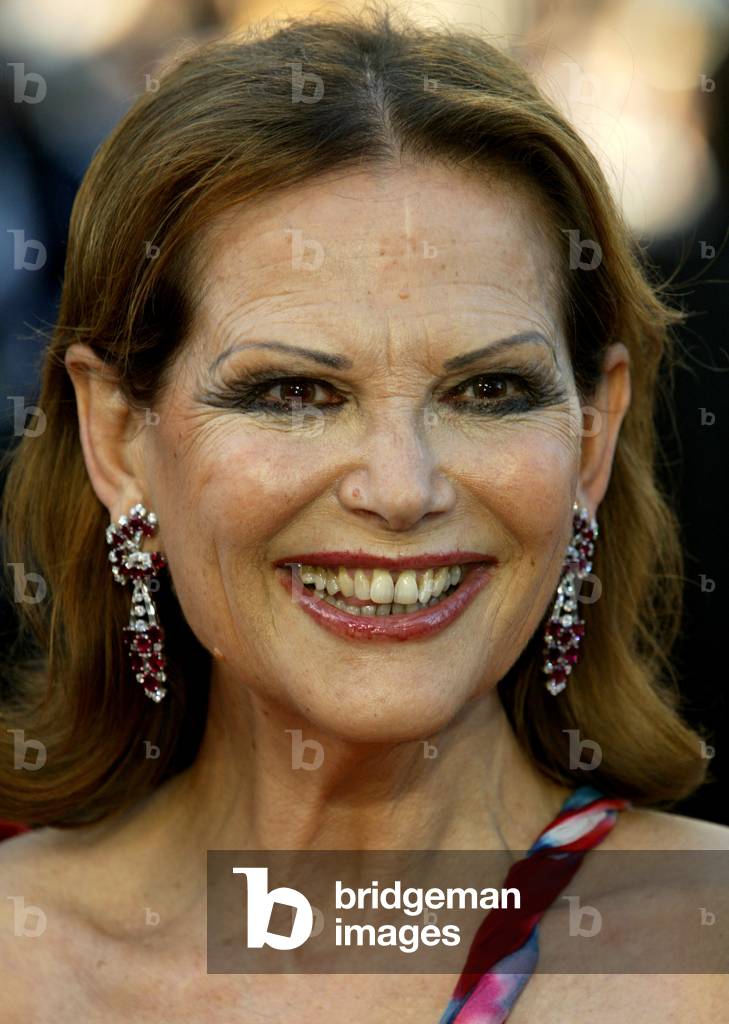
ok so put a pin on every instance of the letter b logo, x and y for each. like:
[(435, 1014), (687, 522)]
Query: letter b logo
[(260, 906)]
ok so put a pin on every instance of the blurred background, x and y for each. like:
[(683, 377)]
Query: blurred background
[(646, 82)]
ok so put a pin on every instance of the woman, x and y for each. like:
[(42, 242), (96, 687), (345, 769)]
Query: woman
[(352, 335)]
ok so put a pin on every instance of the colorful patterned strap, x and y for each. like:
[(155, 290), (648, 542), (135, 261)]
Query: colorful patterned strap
[(505, 949)]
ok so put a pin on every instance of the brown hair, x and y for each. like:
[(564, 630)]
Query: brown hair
[(228, 124)]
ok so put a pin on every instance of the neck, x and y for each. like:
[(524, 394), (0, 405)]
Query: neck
[(265, 778), (467, 787)]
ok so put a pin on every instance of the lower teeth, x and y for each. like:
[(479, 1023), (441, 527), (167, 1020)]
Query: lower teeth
[(377, 609)]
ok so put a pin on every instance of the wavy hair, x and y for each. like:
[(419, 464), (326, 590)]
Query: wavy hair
[(230, 122)]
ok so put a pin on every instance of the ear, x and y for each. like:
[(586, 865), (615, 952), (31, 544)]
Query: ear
[(601, 421), (108, 429)]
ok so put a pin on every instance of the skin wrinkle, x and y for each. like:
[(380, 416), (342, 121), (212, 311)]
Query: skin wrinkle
[(235, 490)]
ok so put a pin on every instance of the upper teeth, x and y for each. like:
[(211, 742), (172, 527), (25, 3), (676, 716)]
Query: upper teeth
[(380, 585)]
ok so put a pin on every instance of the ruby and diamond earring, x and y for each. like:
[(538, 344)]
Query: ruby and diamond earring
[(565, 629), (144, 636)]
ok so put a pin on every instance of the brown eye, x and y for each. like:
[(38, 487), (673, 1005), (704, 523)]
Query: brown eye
[(484, 388), (295, 392), (487, 388), (303, 391)]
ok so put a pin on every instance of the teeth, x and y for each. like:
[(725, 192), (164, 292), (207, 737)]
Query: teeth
[(361, 585), (346, 583), (408, 590), (441, 580), (372, 609), (426, 587), (382, 589)]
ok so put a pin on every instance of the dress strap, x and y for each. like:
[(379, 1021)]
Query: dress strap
[(505, 949)]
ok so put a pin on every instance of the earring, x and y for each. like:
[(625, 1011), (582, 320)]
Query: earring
[(143, 637), (565, 629)]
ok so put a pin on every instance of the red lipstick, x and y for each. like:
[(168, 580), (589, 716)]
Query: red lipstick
[(361, 560), (405, 626)]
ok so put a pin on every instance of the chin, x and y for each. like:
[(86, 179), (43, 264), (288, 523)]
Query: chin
[(392, 712)]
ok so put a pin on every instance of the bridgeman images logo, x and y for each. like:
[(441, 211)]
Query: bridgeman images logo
[(261, 902), (412, 901)]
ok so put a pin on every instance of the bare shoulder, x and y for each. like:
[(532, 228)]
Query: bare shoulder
[(652, 899), (616, 998), (35, 862), (644, 829), (24, 916)]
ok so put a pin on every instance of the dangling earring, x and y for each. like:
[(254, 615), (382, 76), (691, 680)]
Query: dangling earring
[(565, 629), (143, 637)]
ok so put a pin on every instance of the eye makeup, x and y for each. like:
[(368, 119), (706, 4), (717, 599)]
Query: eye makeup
[(252, 391)]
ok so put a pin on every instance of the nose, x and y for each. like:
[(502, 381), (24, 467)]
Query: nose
[(398, 482)]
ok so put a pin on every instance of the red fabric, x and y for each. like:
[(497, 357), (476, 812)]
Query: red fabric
[(11, 828)]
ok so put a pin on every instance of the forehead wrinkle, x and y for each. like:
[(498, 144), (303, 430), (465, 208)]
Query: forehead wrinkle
[(521, 269)]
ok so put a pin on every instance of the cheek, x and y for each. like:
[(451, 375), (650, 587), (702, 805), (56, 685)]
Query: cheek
[(525, 476), (222, 495), (228, 482)]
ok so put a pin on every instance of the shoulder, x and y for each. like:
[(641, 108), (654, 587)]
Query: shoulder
[(31, 875), (43, 933), (41, 873), (27, 856), (651, 898), (616, 997), (644, 829), (24, 915)]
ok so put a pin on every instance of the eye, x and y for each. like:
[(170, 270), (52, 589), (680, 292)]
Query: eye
[(491, 387), (295, 390), (285, 394)]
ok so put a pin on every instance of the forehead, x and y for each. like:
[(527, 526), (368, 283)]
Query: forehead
[(425, 243)]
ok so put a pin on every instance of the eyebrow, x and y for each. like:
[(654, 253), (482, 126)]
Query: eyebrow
[(513, 341), (340, 362), (324, 358)]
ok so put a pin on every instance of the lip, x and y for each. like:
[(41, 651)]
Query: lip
[(361, 560), (405, 626)]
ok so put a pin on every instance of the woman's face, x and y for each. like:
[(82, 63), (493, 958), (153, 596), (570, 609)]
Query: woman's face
[(382, 445)]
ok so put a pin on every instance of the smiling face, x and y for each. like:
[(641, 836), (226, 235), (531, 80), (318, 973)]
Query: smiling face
[(396, 447)]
